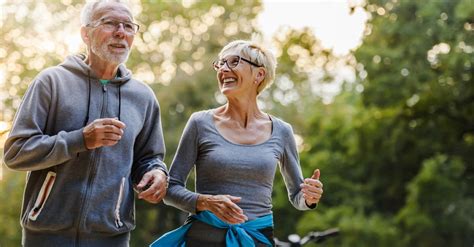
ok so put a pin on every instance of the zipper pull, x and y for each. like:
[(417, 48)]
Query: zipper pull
[(104, 88)]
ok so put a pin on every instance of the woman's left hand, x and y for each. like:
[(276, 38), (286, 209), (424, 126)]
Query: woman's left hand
[(312, 189)]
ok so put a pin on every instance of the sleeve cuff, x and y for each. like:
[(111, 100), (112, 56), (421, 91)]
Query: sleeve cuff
[(312, 206), (75, 140)]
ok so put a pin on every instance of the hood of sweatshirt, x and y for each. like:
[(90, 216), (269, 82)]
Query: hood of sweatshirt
[(76, 63)]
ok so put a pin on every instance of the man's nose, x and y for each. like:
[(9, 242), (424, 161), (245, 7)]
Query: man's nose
[(120, 30)]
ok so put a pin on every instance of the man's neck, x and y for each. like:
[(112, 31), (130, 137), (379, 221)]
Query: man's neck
[(103, 70)]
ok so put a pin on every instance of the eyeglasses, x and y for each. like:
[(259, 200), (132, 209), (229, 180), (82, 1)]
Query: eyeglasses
[(111, 25), (232, 62)]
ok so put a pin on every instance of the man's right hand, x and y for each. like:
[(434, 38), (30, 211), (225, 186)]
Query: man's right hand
[(103, 132)]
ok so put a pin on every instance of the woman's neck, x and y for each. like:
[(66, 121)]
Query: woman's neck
[(241, 111)]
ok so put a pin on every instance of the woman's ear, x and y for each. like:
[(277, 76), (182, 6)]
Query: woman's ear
[(260, 75)]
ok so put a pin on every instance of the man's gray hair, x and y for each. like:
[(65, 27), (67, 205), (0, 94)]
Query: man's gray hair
[(91, 6)]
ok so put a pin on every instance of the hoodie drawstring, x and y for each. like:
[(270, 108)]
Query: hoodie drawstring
[(89, 100), (120, 102)]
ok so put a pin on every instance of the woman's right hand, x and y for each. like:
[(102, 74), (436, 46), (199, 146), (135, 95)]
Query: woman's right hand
[(223, 206)]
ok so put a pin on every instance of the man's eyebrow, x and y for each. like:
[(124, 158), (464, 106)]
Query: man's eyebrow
[(115, 19)]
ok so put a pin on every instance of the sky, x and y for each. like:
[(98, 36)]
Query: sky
[(330, 21)]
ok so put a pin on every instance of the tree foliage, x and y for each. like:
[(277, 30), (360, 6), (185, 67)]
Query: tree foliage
[(397, 157)]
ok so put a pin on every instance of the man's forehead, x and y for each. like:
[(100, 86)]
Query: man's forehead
[(112, 10)]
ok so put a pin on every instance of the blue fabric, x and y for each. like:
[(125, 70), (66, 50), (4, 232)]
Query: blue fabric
[(237, 235)]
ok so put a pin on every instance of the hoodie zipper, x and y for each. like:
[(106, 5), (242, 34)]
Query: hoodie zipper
[(92, 173)]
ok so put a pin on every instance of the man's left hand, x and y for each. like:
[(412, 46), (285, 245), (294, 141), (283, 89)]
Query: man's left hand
[(153, 186)]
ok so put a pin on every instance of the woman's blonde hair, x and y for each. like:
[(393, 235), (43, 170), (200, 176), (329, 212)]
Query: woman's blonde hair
[(257, 54)]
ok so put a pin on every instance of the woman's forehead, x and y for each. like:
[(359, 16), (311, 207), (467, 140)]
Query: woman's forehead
[(231, 52)]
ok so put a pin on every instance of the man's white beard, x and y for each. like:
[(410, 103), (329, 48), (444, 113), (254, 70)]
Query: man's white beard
[(101, 50)]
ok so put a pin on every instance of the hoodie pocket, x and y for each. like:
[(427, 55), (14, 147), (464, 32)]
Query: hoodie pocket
[(43, 195), (118, 221)]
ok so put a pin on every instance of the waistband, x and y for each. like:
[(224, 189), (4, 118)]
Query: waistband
[(237, 234), (41, 239)]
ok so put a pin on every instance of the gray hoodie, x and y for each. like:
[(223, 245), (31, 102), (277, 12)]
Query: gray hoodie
[(72, 194)]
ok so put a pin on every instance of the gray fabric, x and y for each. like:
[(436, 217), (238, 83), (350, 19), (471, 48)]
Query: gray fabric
[(47, 137), (223, 167), (52, 239)]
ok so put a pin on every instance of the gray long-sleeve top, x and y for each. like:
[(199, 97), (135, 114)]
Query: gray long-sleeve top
[(223, 167)]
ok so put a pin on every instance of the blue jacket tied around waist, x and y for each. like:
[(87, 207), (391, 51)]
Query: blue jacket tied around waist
[(237, 235)]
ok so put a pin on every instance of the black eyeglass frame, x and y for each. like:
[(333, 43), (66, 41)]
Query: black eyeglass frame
[(224, 61), (103, 21)]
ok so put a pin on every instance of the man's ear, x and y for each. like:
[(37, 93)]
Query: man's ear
[(85, 35)]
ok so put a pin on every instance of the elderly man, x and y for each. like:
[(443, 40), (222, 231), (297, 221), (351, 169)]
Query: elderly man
[(87, 133)]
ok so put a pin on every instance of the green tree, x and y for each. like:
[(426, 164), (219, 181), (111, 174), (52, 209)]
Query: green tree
[(11, 190), (419, 66), (437, 211), (392, 143)]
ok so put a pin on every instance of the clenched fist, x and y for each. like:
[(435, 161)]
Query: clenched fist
[(103, 132), (153, 186)]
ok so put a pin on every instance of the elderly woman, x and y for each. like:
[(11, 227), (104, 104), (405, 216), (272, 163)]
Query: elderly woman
[(236, 149)]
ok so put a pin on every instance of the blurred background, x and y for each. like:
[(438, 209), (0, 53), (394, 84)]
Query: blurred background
[(380, 94)]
